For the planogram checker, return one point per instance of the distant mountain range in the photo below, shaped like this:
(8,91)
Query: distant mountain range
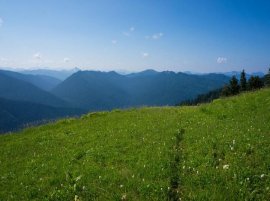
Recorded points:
(35,95)
(41,81)
(237,74)
(58,74)
(21,90)
(230,74)
(25,99)
(95,90)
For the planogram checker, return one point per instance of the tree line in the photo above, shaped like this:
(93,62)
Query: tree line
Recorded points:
(234,87)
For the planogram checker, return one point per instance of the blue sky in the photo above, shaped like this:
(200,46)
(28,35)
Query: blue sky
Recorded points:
(132,35)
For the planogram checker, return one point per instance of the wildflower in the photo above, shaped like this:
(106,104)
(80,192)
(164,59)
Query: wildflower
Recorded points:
(99,177)
(76,198)
(124,197)
(121,186)
(262,176)
(78,178)
(226,167)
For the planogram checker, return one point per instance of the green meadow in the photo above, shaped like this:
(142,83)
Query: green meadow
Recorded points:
(216,151)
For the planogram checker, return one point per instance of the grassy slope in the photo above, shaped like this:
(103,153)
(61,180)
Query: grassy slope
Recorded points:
(131,154)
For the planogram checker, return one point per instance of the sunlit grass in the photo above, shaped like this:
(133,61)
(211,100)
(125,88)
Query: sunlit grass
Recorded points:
(127,155)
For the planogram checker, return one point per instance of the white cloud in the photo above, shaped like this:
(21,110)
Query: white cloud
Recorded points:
(145,55)
(155,36)
(221,60)
(1,21)
(37,56)
(66,59)
(114,42)
(128,33)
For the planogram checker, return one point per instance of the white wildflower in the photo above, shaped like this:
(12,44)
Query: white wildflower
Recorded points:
(76,198)
(226,167)
(124,197)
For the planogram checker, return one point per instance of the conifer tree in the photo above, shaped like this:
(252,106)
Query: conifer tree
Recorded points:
(255,82)
(234,86)
(226,91)
(243,81)
(267,78)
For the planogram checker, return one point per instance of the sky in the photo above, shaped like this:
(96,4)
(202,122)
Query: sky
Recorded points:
(133,35)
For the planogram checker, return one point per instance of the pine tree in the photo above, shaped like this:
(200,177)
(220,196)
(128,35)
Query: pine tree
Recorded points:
(234,86)
(255,82)
(243,81)
(267,78)
(226,91)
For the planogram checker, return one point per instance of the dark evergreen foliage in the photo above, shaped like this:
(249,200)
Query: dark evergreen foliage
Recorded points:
(203,98)
(255,82)
(226,91)
(234,86)
(267,79)
(243,81)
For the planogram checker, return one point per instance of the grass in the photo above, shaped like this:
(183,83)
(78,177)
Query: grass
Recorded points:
(217,151)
